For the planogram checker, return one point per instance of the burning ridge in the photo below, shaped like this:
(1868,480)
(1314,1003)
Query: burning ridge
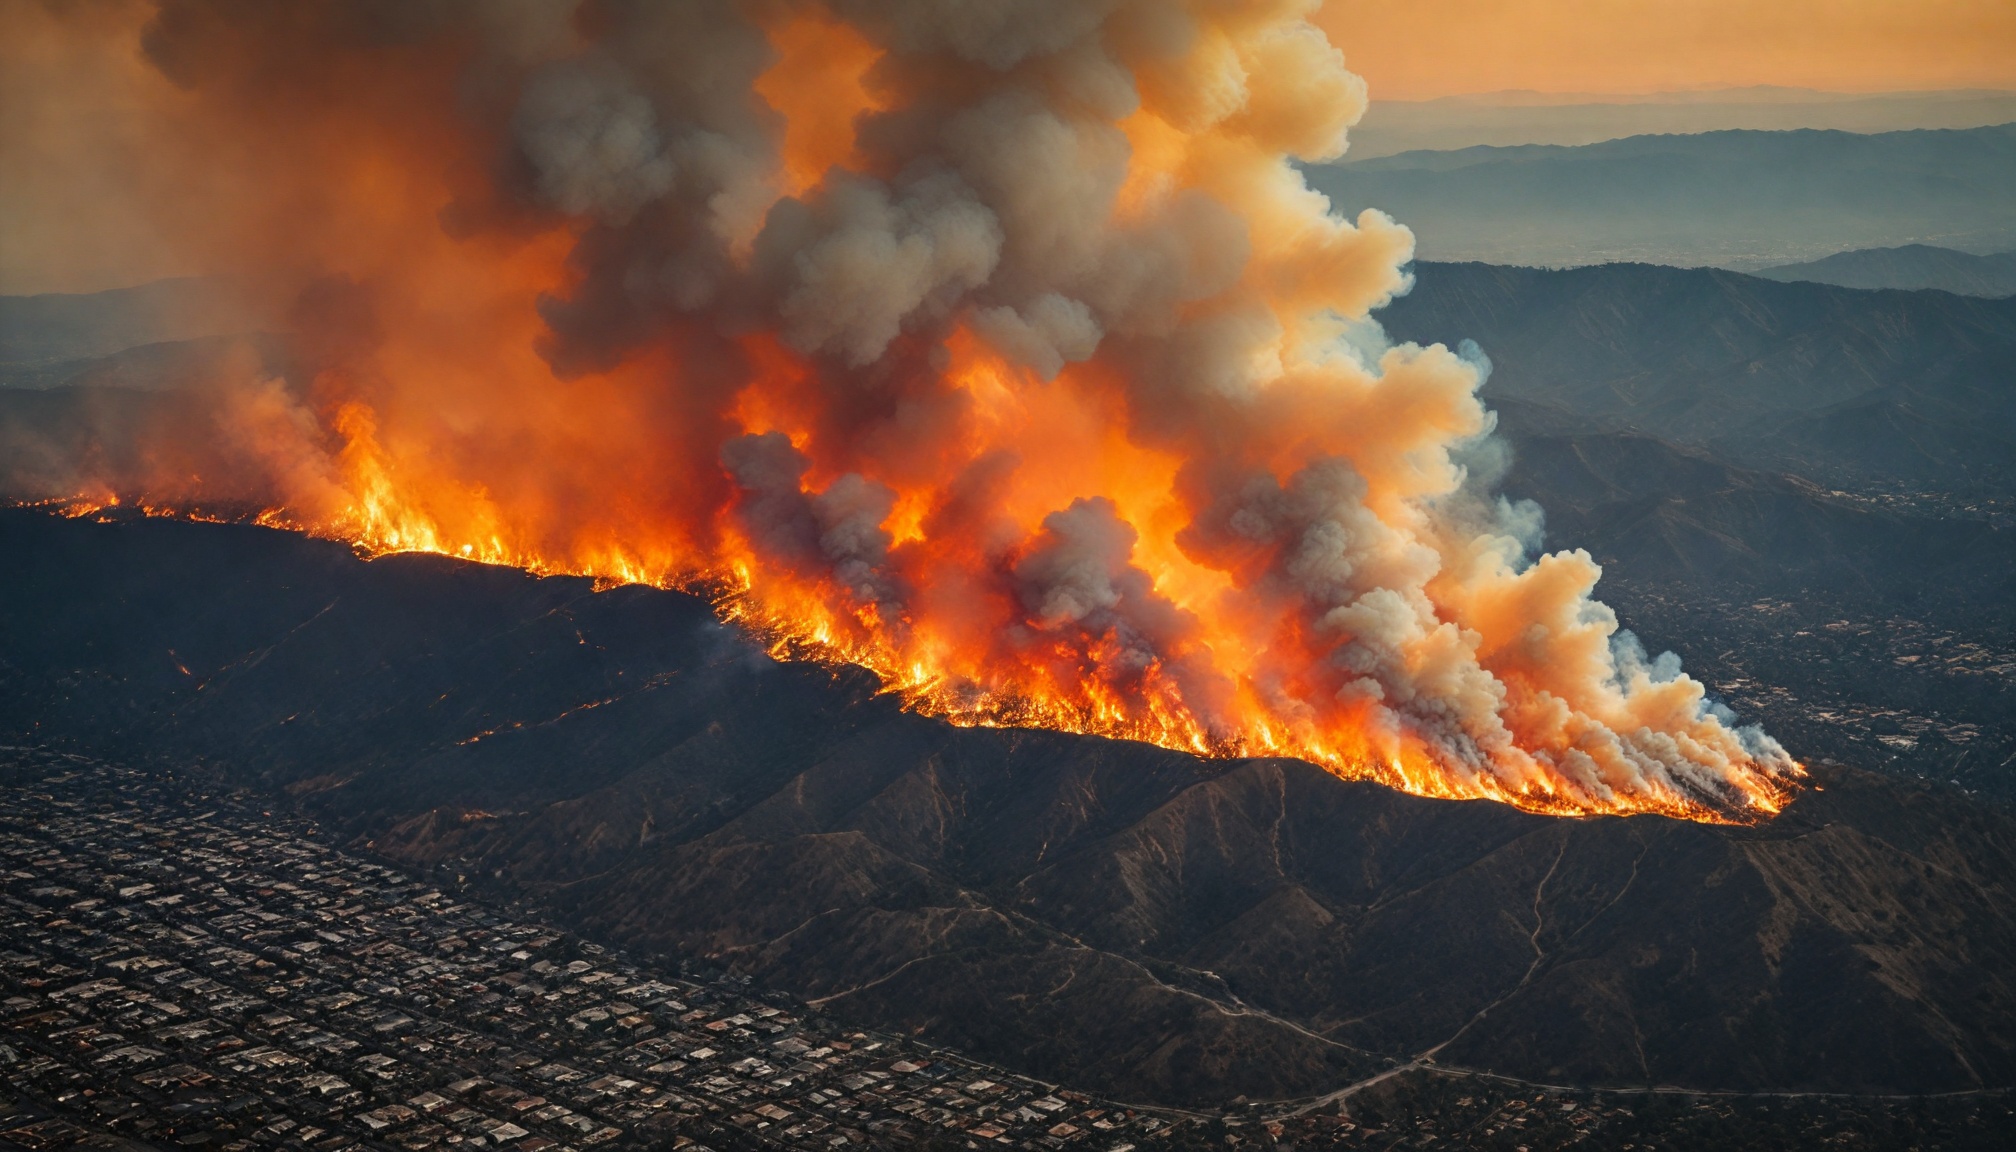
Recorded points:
(999,349)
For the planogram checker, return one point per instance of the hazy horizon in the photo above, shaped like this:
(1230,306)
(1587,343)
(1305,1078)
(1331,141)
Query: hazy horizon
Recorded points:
(1423,49)
(1513,117)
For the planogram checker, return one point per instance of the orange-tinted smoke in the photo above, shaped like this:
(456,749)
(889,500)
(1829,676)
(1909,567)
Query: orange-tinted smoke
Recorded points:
(1001,350)
(816,83)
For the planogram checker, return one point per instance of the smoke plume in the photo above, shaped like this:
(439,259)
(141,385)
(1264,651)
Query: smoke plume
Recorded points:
(998,347)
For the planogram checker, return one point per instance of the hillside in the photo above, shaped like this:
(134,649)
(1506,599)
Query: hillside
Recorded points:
(1913,266)
(1134,920)
(1738,199)
(1869,390)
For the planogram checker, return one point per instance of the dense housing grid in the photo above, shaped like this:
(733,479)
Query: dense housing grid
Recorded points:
(185,965)
(177,963)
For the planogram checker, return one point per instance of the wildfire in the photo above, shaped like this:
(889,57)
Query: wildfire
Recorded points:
(930,672)
(1010,359)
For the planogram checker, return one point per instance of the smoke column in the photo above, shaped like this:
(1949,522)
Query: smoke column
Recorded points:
(998,347)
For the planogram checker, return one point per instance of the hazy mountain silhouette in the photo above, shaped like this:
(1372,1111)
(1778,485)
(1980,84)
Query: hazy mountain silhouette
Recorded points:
(1518,117)
(1739,199)
(47,339)
(1912,266)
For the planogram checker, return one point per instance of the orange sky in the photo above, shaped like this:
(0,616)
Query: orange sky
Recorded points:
(1420,49)
(85,145)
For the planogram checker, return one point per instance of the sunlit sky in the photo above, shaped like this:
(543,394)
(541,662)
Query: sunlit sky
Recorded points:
(1421,49)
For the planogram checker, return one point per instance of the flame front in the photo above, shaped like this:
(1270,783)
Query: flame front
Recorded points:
(1003,353)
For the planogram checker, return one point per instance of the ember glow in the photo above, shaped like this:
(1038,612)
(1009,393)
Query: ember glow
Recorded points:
(1000,349)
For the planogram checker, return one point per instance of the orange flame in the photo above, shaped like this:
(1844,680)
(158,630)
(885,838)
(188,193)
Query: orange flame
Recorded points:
(946,658)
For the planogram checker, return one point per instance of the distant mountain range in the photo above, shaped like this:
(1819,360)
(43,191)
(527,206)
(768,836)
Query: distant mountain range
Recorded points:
(1913,266)
(1517,117)
(1738,199)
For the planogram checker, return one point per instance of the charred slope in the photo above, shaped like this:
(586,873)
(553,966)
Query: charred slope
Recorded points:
(1126,918)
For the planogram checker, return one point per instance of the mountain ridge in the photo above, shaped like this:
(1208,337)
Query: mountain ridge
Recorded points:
(1573,118)
(1913,267)
(1738,199)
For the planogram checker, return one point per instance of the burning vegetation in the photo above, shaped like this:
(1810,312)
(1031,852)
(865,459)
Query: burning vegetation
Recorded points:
(1000,349)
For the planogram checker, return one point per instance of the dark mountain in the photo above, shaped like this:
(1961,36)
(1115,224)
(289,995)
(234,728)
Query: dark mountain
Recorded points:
(1890,390)
(1112,914)
(1913,266)
(1738,199)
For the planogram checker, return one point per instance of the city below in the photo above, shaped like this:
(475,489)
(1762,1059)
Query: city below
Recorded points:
(183,967)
